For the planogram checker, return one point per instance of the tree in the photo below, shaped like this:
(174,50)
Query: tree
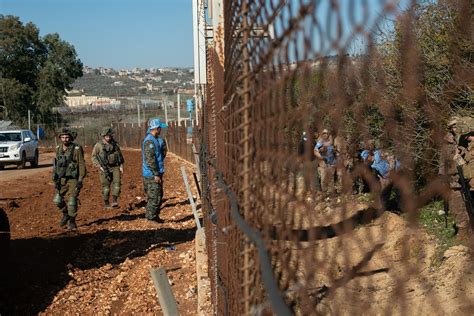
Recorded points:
(427,66)
(59,71)
(15,99)
(35,71)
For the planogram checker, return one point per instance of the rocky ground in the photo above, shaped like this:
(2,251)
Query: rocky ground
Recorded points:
(104,266)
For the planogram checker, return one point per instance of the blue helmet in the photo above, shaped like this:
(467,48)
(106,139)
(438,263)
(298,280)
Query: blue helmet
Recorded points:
(155,123)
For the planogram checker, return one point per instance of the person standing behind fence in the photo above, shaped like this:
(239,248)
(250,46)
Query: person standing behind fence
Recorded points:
(344,161)
(68,173)
(468,169)
(324,151)
(465,159)
(383,164)
(153,169)
(108,158)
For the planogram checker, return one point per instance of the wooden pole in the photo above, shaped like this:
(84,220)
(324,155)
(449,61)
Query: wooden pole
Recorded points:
(190,196)
(165,294)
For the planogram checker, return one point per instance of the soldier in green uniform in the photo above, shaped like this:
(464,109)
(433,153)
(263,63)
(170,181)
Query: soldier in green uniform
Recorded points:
(153,169)
(108,158)
(468,168)
(447,166)
(68,174)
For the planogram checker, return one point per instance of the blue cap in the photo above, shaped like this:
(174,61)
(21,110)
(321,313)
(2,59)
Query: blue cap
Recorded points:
(155,123)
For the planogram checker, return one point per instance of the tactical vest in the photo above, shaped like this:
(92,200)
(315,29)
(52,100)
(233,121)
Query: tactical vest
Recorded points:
(468,167)
(159,159)
(66,165)
(111,154)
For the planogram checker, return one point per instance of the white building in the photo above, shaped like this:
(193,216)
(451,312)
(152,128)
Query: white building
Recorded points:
(86,100)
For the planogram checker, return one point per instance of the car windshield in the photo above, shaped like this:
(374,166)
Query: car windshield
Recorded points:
(10,137)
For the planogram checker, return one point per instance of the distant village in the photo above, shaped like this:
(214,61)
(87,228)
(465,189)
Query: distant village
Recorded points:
(106,87)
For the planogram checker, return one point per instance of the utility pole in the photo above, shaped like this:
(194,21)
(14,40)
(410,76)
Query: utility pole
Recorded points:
(5,110)
(179,109)
(138,113)
(166,110)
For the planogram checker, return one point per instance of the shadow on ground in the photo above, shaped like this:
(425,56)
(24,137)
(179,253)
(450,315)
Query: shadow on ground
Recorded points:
(40,166)
(38,268)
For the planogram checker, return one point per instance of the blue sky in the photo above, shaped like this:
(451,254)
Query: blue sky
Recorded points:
(135,33)
(115,33)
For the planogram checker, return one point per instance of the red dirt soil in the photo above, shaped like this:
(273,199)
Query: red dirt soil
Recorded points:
(103,267)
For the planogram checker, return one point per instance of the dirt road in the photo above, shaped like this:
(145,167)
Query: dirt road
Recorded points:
(11,173)
(104,266)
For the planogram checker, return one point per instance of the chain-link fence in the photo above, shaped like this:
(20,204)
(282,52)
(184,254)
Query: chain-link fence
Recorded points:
(47,134)
(128,135)
(180,139)
(320,151)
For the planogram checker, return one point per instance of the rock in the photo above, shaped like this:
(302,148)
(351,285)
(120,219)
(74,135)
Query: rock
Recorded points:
(108,267)
(458,250)
(13,204)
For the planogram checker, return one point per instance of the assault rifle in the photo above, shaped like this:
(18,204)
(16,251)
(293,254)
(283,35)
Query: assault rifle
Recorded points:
(465,192)
(57,176)
(105,167)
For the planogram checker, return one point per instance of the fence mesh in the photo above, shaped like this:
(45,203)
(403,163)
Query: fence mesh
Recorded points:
(291,230)
(128,135)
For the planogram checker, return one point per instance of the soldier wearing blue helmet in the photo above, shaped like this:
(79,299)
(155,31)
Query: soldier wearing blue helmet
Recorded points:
(153,169)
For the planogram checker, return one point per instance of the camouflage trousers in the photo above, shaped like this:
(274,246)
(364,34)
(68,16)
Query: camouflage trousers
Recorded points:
(70,193)
(115,181)
(154,192)
(390,195)
(326,174)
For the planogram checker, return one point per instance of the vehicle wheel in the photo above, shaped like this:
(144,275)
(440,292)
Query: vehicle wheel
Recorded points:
(34,162)
(22,164)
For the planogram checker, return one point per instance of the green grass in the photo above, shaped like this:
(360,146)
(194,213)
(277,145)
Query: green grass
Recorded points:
(435,224)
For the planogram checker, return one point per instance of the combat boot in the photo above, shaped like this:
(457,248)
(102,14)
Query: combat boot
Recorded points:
(72,223)
(114,201)
(64,220)
(107,204)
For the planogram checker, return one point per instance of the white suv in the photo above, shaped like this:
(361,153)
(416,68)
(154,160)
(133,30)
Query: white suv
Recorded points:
(17,147)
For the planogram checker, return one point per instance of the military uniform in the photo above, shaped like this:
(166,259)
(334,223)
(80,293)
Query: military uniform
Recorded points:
(324,151)
(108,157)
(463,130)
(468,166)
(447,165)
(68,174)
(344,158)
(153,166)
